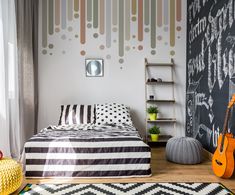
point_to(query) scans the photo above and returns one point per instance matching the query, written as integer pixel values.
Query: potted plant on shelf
(152, 111)
(154, 133)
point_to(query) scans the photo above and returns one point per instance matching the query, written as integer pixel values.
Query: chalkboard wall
(210, 68)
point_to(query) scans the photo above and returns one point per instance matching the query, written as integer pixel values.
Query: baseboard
(207, 155)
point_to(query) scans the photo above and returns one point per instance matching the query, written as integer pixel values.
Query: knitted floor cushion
(10, 176)
(184, 150)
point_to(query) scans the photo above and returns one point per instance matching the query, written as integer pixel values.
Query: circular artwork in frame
(94, 67)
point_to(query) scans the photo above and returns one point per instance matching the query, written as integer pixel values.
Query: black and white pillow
(112, 113)
(76, 114)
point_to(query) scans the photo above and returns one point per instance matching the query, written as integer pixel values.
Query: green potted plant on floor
(152, 111)
(154, 133)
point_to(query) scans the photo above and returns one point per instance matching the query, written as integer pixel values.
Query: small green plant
(152, 109)
(154, 130)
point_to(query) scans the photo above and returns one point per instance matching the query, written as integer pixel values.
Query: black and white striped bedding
(87, 151)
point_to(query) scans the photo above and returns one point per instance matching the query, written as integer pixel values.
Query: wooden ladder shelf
(167, 102)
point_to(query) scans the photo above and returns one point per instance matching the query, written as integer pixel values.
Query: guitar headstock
(232, 102)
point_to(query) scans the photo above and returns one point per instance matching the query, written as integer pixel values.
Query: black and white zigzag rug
(127, 189)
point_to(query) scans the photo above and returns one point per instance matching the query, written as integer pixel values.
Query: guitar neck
(225, 128)
(227, 115)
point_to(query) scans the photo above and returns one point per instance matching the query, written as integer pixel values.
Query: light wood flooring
(162, 171)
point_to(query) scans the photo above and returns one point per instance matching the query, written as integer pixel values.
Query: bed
(87, 151)
(109, 147)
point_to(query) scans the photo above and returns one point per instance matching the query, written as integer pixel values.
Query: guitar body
(223, 161)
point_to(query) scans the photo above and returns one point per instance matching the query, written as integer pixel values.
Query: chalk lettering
(197, 29)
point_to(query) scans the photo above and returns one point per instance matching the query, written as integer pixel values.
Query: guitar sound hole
(218, 162)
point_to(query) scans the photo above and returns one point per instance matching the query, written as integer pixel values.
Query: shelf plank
(159, 83)
(162, 138)
(162, 120)
(160, 101)
(160, 64)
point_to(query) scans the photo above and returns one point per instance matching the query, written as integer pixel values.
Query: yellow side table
(10, 176)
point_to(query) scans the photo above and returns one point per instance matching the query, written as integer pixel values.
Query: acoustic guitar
(223, 159)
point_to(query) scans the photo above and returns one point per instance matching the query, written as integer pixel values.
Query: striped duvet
(87, 151)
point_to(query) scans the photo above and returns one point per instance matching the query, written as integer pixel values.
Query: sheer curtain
(9, 90)
(27, 41)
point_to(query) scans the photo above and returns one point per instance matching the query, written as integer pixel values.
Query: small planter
(154, 137)
(152, 116)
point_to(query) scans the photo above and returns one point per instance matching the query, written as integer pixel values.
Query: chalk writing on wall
(210, 68)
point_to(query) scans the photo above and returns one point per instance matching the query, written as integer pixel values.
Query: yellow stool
(10, 176)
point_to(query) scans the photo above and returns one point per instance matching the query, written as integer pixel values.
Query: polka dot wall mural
(124, 24)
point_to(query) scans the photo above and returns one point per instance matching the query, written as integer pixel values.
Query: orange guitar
(223, 159)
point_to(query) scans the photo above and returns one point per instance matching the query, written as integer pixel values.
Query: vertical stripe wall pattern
(140, 20)
(102, 16)
(63, 14)
(89, 10)
(44, 23)
(57, 12)
(108, 24)
(121, 28)
(127, 20)
(172, 23)
(146, 12)
(51, 17)
(83, 22)
(70, 10)
(153, 24)
(76, 5)
(166, 12)
(95, 13)
(114, 11)
(159, 13)
(110, 18)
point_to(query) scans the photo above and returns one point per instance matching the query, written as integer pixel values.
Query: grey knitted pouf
(184, 150)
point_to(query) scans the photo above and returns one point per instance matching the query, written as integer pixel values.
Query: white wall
(62, 77)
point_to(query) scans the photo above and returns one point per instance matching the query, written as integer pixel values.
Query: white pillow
(112, 113)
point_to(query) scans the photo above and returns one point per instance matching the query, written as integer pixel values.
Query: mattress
(87, 151)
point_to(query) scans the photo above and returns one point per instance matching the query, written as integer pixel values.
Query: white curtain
(10, 137)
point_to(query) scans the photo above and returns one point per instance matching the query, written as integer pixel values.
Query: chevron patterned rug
(127, 189)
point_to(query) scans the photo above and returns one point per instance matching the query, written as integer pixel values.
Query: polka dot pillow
(112, 113)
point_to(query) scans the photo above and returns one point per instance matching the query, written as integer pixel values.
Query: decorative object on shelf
(1, 155)
(10, 176)
(151, 97)
(152, 111)
(153, 80)
(94, 67)
(184, 150)
(154, 133)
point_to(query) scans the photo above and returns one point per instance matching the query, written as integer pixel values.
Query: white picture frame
(94, 67)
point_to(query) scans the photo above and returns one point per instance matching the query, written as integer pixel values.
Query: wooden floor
(162, 171)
